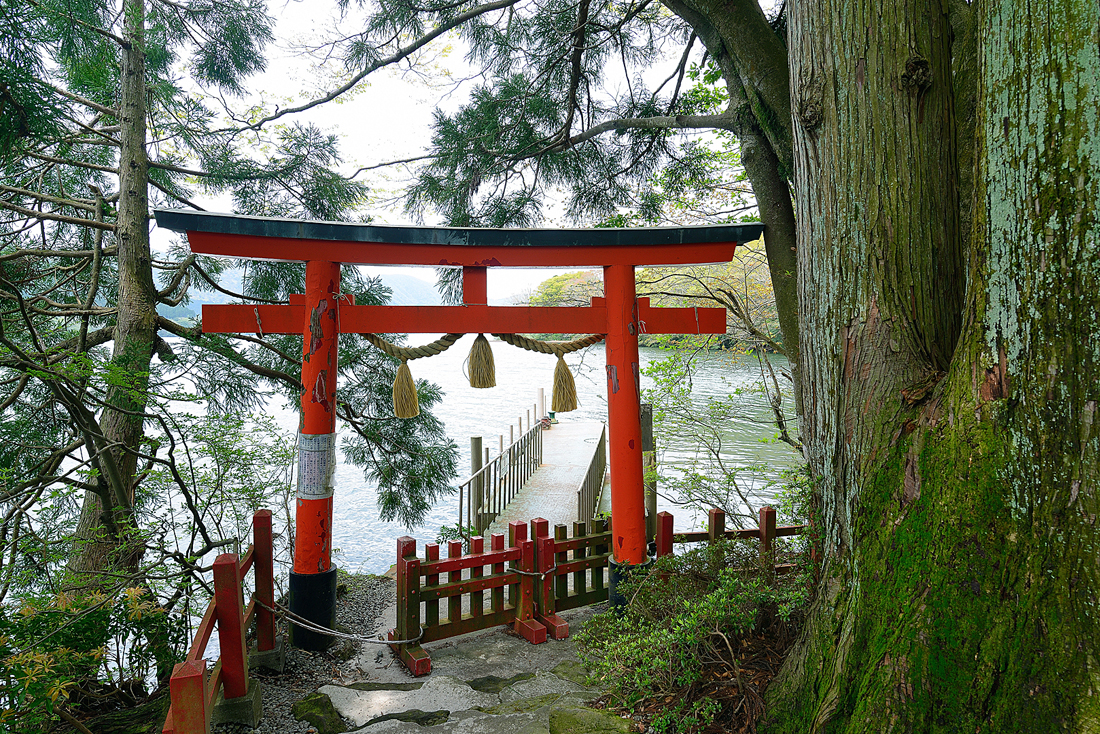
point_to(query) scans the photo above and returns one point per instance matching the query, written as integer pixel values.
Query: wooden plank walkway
(551, 492)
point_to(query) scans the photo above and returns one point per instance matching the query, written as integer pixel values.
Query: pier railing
(528, 581)
(489, 490)
(588, 493)
(193, 691)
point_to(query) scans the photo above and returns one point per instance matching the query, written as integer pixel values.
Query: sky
(388, 117)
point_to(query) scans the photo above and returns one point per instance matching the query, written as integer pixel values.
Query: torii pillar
(324, 310)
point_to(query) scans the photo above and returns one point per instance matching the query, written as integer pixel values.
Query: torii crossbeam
(620, 315)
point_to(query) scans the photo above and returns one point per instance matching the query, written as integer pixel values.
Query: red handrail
(192, 691)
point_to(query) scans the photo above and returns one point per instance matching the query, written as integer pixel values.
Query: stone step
(538, 702)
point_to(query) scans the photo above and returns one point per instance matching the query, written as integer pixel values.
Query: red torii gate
(322, 310)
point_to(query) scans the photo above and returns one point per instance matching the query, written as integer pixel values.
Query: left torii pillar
(313, 578)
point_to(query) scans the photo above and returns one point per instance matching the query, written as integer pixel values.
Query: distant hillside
(410, 291)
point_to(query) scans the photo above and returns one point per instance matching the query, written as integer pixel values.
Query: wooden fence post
(517, 533)
(526, 624)
(230, 612)
(544, 564)
(716, 525)
(454, 603)
(599, 526)
(664, 534)
(767, 536)
(414, 656)
(187, 689)
(431, 607)
(477, 598)
(496, 596)
(265, 580)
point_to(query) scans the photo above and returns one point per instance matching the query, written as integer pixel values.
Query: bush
(90, 654)
(679, 645)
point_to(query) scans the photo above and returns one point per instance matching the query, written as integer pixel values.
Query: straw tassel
(482, 369)
(565, 389)
(405, 404)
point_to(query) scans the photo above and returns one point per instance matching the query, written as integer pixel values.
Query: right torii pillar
(624, 442)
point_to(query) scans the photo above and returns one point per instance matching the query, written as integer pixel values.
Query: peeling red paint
(320, 394)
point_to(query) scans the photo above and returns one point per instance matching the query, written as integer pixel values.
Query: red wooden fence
(535, 572)
(194, 692)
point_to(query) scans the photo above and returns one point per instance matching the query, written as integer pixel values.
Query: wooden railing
(588, 493)
(766, 532)
(529, 580)
(489, 490)
(526, 582)
(193, 692)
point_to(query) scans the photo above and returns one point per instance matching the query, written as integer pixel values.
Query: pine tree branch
(193, 334)
(723, 121)
(398, 56)
(67, 162)
(38, 252)
(35, 214)
(74, 203)
(93, 28)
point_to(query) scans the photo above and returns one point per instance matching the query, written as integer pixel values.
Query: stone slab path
(485, 682)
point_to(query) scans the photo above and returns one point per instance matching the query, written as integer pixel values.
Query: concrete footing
(246, 709)
(274, 660)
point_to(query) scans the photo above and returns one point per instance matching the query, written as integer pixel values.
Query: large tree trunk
(135, 331)
(959, 514)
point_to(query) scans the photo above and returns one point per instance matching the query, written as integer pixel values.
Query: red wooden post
(544, 592)
(187, 688)
(767, 535)
(664, 534)
(477, 598)
(624, 417)
(313, 580)
(716, 524)
(454, 603)
(230, 611)
(526, 624)
(415, 658)
(265, 580)
(431, 607)
(496, 603)
(517, 533)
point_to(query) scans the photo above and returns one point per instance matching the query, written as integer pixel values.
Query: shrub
(684, 628)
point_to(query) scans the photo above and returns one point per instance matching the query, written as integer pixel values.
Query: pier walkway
(551, 492)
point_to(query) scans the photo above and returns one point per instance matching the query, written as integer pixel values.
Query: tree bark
(135, 330)
(959, 514)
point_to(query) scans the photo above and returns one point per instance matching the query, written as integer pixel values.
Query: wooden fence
(766, 532)
(528, 580)
(193, 692)
(489, 490)
(588, 493)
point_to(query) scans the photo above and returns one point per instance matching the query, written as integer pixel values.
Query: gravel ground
(359, 612)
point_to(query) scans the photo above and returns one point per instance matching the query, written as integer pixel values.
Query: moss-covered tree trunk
(951, 423)
(98, 543)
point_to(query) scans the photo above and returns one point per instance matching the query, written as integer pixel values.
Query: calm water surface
(366, 543)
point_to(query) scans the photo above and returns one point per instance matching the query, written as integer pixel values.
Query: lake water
(366, 543)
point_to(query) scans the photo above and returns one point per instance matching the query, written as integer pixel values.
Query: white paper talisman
(316, 465)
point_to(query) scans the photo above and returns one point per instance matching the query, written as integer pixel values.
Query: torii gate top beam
(294, 240)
